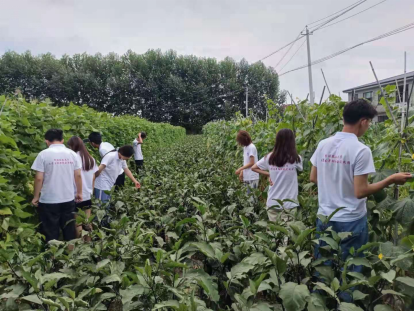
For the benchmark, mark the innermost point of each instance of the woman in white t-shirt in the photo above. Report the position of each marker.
(245, 173)
(89, 168)
(281, 165)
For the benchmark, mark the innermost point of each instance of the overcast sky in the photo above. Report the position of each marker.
(218, 28)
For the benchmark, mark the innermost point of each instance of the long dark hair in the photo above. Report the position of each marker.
(285, 149)
(77, 145)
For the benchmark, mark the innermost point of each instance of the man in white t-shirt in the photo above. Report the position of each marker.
(95, 139)
(341, 165)
(57, 171)
(108, 171)
(137, 143)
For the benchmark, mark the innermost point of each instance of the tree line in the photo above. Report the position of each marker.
(183, 90)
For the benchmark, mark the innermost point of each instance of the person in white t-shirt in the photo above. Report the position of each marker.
(137, 143)
(95, 139)
(108, 171)
(281, 165)
(340, 167)
(58, 170)
(89, 168)
(245, 173)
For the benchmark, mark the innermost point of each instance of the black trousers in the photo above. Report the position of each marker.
(120, 181)
(56, 216)
(139, 164)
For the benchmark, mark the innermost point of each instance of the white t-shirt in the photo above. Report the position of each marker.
(338, 159)
(249, 151)
(58, 164)
(104, 148)
(106, 180)
(285, 182)
(137, 150)
(87, 179)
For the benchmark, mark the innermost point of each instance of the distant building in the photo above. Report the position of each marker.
(371, 92)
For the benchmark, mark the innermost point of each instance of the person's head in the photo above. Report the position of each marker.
(77, 145)
(54, 136)
(125, 152)
(95, 139)
(285, 149)
(358, 115)
(143, 135)
(243, 138)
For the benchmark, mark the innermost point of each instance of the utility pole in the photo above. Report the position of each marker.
(312, 95)
(247, 101)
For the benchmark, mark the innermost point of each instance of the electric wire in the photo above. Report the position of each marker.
(388, 34)
(304, 41)
(334, 13)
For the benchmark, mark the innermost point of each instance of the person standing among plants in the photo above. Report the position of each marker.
(340, 167)
(89, 168)
(58, 169)
(95, 139)
(281, 166)
(108, 171)
(137, 143)
(245, 173)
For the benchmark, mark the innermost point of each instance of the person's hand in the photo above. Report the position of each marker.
(270, 181)
(238, 171)
(400, 178)
(35, 201)
(137, 185)
(241, 176)
(139, 135)
(78, 198)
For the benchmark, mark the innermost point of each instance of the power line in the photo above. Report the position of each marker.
(304, 41)
(287, 51)
(333, 13)
(388, 34)
(280, 49)
(353, 15)
(336, 16)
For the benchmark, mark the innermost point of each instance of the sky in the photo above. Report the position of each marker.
(220, 28)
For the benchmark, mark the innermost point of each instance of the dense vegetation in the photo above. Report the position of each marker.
(162, 87)
(191, 239)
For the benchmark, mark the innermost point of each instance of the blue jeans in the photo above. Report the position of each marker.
(101, 195)
(359, 237)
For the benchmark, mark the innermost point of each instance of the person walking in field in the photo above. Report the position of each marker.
(245, 173)
(137, 143)
(95, 139)
(108, 171)
(281, 166)
(58, 170)
(89, 168)
(340, 167)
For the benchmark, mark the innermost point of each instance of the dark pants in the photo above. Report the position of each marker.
(139, 164)
(57, 216)
(120, 181)
(359, 237)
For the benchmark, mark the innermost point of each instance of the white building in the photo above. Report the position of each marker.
(372, 92)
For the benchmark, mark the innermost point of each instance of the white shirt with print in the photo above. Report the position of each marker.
(338, 159)
(106, 180)
(137, 150)
(87, 179)
(285, 183)
(58, 164)
(249, 151)
(104, 148)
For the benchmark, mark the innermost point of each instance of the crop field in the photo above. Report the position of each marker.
(191, 238)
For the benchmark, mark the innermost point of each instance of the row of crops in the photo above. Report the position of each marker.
(191, 238)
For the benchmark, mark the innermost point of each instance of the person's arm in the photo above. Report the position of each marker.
(248, 165)
(100, 169)
(362, 188)
(38, 183)
(256, 169)
(129, 174)
(314, 175)
(140, 140)
(78, 182)
(93, 182)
